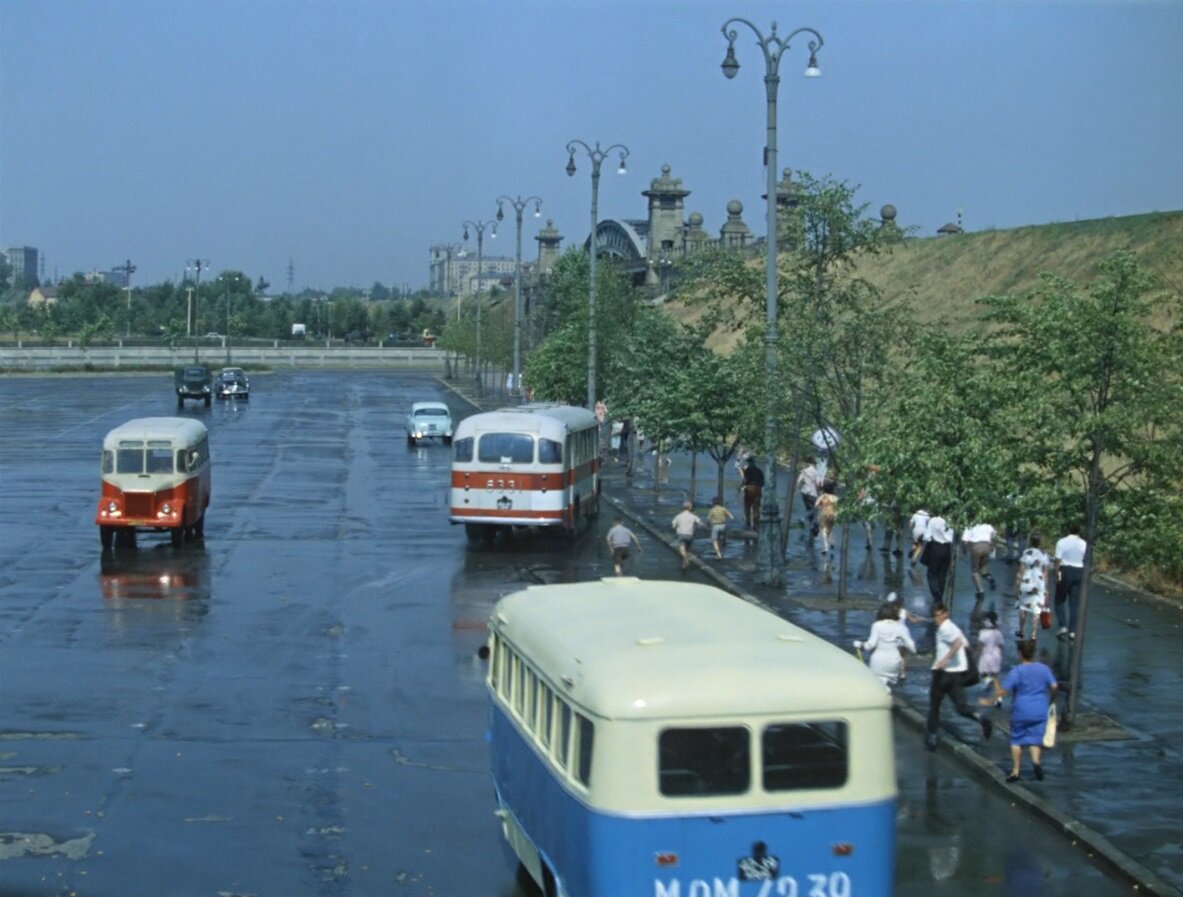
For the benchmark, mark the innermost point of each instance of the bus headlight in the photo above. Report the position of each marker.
(110, 509)
(166, 510)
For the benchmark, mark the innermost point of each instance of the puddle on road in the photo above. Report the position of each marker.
(29, 844)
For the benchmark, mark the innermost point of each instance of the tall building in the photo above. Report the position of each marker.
(454, 270)
(23, 260)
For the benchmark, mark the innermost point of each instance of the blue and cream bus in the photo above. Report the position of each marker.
(666, 739)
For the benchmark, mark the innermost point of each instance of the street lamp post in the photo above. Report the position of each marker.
(195, 265)
(479, 227)
(518, 205)
(226, 336)
(770, 556)
(597, 156)
(128, 269)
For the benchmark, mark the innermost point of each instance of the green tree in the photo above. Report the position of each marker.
(1101, 389)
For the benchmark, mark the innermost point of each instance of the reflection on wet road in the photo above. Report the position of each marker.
(295, 705)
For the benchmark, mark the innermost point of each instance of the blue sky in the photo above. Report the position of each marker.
(350, 135)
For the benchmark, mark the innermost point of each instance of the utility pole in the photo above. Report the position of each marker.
(127, 268)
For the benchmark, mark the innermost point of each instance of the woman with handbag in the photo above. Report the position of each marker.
(1032, 687)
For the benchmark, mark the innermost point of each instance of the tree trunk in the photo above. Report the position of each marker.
(842, 564)
(693, 475)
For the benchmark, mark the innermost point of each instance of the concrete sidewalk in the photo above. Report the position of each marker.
(1114, 783)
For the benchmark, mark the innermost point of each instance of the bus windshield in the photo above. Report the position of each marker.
(155, 458)
(506, 448)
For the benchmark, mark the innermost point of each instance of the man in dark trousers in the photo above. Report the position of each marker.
(753, 490)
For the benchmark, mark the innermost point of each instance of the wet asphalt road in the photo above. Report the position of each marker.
(295, 707)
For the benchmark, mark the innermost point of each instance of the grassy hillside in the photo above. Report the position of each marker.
(943, 277)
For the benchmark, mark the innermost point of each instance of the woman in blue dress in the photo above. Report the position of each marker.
(1032, 687)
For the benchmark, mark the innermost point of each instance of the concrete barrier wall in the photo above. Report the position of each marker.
(45, 358)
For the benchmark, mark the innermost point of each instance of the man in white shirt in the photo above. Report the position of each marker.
(978, 542)
(809, 483)
(1070, 554)
(948, 677)
(917, 525)
(936, 553)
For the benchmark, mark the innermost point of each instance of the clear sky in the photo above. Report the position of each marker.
(350, 135)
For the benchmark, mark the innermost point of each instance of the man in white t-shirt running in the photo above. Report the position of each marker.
(948, 677)
(1070, 554)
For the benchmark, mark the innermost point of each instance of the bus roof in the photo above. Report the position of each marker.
(631, 648)
(183, 430)
(530, 418)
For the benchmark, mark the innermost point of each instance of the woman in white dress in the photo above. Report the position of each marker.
(883, 646)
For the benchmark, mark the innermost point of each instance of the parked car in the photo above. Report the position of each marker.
(193, 381)
(239, 372)
(233, 386)
(429, 420)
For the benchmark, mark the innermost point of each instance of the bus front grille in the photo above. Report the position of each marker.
(137, 504)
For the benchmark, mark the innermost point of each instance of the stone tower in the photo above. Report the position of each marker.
(548, 239)
(665, 195)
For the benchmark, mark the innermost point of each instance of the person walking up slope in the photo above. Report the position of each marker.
(684, 525)
(620, 540)
(717, 517)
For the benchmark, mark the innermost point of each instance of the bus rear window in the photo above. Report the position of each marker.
(462, 449)
(703, 762)
(550, 452)
(506, 448)
(801, 756)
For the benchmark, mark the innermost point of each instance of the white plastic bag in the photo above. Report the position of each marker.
(1049, 733)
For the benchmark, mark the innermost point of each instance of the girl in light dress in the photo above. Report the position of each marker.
(989, 650)
(888, 642)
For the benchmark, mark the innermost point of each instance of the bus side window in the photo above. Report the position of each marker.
(696, 762)
(462, 449)
(545, 718)
(563, 742)
(584, 746)
(108, 462)
(549, 451)
(805, 755)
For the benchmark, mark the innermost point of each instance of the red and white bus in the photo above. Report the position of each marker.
(533, 465)
(155, 475)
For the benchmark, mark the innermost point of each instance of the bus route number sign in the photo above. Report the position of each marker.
(502, 486)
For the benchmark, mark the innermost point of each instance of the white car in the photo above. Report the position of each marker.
(429, 420)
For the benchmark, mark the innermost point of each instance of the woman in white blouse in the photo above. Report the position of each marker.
(888, 636)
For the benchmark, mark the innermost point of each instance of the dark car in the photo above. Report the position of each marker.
(193, 381)
(233, 385)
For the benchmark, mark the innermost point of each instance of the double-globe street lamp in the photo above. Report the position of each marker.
(479, 227)
(519, 205)
(597, 156)
(770, 556)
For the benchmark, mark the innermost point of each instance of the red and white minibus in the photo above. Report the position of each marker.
(533, 465)
(155, 475)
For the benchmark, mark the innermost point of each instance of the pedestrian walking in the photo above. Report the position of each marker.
(621, 540)
(753, 492)
(717, 517)
(887, 644)
(684, 525)
(1031, 584)
(978, 543)
(917, 526)
(809, 483)
(936, 553)
(827, 516)
(1069, 567)
(1032, 687)
(990, 643)
(948, 677)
